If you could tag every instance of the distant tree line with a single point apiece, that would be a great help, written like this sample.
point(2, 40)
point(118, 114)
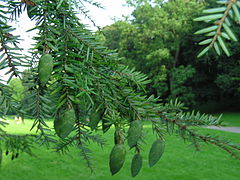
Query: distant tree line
point(159, 40)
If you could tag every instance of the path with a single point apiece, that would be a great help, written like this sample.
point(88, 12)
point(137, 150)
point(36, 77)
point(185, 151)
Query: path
point(228, 129)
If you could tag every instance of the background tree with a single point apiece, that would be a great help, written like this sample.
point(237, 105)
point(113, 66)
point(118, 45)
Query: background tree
point(148, 43)
point(18, 95)
point(17, 89)
point(155, 42)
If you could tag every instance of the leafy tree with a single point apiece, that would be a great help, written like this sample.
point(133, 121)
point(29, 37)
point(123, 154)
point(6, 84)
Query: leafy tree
point(18, 95)
point(93, 91)
point(203, 84)
point(17, 89)
point(154, 43)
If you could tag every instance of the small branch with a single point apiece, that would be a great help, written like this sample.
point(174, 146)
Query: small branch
point(10, 63)
point(221, 21)
point(207, 139)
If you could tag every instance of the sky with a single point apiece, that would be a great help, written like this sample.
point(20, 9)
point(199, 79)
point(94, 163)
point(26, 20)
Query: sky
point(113, 8)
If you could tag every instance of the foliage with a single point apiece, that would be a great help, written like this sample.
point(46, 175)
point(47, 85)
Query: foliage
point(149, 46)
point(154, 42)
point(222, 17)
point(221, 71)
point(18, 94)
point(17, 89)
point(91, 88)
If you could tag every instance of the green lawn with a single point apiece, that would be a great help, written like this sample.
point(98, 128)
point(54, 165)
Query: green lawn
point(179, 162)
point(231, 119)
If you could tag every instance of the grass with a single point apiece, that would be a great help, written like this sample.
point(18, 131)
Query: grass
point(231, 119)
point(179, 162)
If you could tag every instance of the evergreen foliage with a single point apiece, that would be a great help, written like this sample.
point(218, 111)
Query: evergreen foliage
point(91, 90)
point(222, 17)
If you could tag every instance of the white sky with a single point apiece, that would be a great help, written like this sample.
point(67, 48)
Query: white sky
point(113, 8)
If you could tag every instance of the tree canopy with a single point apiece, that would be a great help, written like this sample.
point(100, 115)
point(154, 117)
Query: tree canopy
point(159, 41)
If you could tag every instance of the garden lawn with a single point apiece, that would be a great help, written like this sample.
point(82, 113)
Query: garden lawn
point(180, 161)
point(231, 119)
